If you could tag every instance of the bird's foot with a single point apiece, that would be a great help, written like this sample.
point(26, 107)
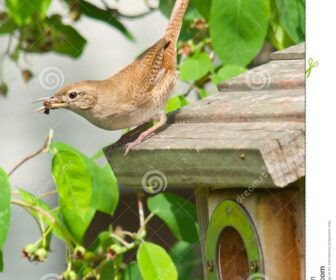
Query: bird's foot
point(142, 137)
point(146, 134)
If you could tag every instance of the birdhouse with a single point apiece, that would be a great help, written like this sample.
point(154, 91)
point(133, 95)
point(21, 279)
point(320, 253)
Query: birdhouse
point(242, 151)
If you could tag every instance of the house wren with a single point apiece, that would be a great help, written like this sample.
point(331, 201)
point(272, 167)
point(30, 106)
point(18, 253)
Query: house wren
point(135, 95)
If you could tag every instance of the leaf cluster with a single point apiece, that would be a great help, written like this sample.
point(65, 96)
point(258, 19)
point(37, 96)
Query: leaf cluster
point(83, 188)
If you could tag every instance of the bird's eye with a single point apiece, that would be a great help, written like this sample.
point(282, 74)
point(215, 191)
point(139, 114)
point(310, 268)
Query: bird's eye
point(73, 95)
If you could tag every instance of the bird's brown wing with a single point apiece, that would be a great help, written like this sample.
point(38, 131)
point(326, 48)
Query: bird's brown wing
point(135, 83)
point(152, 67)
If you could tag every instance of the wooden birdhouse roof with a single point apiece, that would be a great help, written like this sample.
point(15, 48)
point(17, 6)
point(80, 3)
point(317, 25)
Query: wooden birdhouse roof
point(251, 134)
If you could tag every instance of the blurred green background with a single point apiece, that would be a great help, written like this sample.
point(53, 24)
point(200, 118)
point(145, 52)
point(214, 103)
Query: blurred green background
point(45, 44)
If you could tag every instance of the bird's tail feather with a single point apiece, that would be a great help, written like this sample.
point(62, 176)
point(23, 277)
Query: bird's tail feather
point(174, 28)
point(176, 20)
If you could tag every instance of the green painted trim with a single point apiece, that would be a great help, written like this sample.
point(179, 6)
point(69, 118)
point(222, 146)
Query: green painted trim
point(231, 214)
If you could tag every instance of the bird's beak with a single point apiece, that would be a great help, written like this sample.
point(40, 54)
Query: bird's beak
point(50, 103)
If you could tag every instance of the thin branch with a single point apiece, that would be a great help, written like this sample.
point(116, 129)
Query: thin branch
point(144, 14)
point(44, 148)
point(151, 216)
point(116, 12)
point(141, 210)
point(122, 241)
point(48, 194)
point(36, 208)
point(25, 160)
point(130, 234)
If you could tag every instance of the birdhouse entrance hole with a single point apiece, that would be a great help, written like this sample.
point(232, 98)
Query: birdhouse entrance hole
point(233, 248)
point(232, 256)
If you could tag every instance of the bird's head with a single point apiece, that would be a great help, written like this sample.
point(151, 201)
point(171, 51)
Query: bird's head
point(76, 97)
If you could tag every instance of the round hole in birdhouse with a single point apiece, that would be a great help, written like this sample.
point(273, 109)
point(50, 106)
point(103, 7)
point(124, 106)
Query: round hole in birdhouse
point(232, 259)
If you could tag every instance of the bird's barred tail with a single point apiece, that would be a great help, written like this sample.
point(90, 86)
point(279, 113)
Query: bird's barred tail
point(174, 28)
point(176, 20)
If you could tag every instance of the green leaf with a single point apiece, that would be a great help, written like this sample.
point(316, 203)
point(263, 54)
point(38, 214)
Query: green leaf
point(5, 210)
point(292, 18)
point(104, 185)
point(176, 103)
point(24, 11)
point(84, 187)
point(202, 93)
point(64, 38)
point(93, 11)
point(3, 89)
point(203, 7)
point(238, 29)
point(1, 262)
point(196, 67)
point(185, 259)
point(226, 73)
point(98, 155)
point(75, 191)
point(105, 193)
point(276, 33)
point(132, 272)
point(108, 271)
point(178, 213)
point(7, 25)
point(187, 33)
point(59, 228)
point(155, 263)
point(166, 7)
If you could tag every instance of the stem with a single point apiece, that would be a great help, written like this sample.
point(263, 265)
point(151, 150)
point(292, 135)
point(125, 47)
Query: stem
point(45, 235)
point(69, 260)
point(141, 210)
point(44, 148)
point(117, 14)
point(130, 234)
point(40, 221)
point(67, 236)
point(122, 241)
point(151, 216)
point(36, 208)
point(48, 194)
point(25, 160)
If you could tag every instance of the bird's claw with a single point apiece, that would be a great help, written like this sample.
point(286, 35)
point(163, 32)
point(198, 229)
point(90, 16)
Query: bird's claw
point(139, 140)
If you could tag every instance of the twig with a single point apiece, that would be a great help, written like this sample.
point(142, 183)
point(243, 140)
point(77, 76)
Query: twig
point(48, 194)
point(116, 12)
point(151, 215)
point(25, 160)
point(36, 208)
point(122, 241)
point(141, 210)
point(44, 148)
point(130, 234)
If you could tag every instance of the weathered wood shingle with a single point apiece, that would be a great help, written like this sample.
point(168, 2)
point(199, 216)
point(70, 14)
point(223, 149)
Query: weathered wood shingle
point(241, 137)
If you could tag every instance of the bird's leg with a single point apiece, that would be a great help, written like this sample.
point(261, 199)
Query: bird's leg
point(146, 134)
point(131, 135)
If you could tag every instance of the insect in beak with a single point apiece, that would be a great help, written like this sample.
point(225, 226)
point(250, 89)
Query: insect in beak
point(50, 103)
